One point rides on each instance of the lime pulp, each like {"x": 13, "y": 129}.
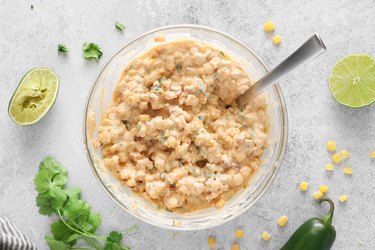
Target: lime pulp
{"x": 34, "y": 96}
{"x": 352, "y": 81}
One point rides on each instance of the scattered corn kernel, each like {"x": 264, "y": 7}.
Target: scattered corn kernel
{"x": 276, "y": 39}
{"x": 331, "y": 145}
{"x": 343, "y": 198}
{"x": 318, "y": 195}
{"x": 348, "y": 171}
{"x": 266, "y": 236}
{"x": 372, "y": 155}
{"x": 269, "y": 26}
{"x": 304, "y": 186}
{"x": 336, "y": 158}
{"x": 235, "y": 246}
{"x": 360, "y": 242}
{"x": 323, "y": 189}
{"x": 211, "y": 242}
{"x": 282, "y": 221}
{"x": 329, "y": 167}
{"x": 239, "y": 233}
{"x": 344, "y": 154}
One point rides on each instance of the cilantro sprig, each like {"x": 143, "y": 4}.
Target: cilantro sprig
{"x": 92, "y": 51}
{"x": 76, "y": 220}
{"x": 120, "y": 26}
{"x": 62, "y": 48}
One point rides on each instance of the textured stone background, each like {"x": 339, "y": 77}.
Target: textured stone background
{"x": 28, "y": 38}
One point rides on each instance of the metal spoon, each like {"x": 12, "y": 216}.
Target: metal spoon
{"x": 309, "y": 50}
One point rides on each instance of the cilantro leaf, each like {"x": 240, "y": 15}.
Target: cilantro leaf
{"x": 50, "y": 175}
{"x": 73, "y": 193}
{"x": 55, "y": 244}
{"x": 62, "y": 48}
{"x": 120, "y": 26}
{"x": 93, "y": 221}
{"x": 44, "y": 202}
{"x": 112, "y": 246}
{"x": 89, "y": 223}
{"x": 72, "y": 240}
{"x": 77, "y": 211}
{"x": 51, "y": 201}
{"x": 58, "y": 198}
{"x": 62, "y": 233}
{"x": 91, "y": 51}
{"x": 114, "y": 237}
{"x": 113, "y": 241}
{"x": 161, "y": 79}
{"x": 156, "y": 89}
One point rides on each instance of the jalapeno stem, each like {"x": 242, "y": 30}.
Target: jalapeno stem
{"x": 329, "y": 216}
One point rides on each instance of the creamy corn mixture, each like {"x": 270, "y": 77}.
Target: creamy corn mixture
{"x": 174, "y": 135}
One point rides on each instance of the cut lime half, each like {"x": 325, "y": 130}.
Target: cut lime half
{"x": 352, "y": 81}
{"x": 34, "y": 96}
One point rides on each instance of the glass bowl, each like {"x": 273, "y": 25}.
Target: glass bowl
{"x": 99, "y": 99}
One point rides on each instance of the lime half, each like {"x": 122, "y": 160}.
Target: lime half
{"x": 34, "y": 96}
{"x": 352, "y": 81}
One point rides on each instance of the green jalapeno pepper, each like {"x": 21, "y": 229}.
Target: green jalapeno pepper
{"x": 314, "y": 234}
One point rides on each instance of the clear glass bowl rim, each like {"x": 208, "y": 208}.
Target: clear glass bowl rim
{"x": 283, "y": 118}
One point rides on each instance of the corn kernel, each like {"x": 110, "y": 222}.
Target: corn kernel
{"x": 348, "y": 171}
{"x": 159, "y": 38}
{"x": 304, "y": 186}
{"x": 343, "y": 198}
{"x": 331, "y": 145}
{"x": 240, "y": 157}
{"x": 344, "y": 154}
{"x": 282, "y": 221}
{"x": 329, "y": 167}
{"x": 323, "y": 189}
{"x": 176, "y": 223}
{"x": 144, "y": 118}
{"x": 372, "y": 155}
{"x": 211, "y": 242}
{"x": 266, "y": 236}
{"x": 336, "y": 158}
{"x": 239, "y": 233}
{"x": 269, "y": 26}
{"x": 235, "y": 246}
{"x": 318, "y": 195}
{"x": 360, "y": 242}
{"x": 276, "y": 39}
{"x": 220, "y": 203}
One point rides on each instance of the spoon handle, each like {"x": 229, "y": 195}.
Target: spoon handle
{"x": 313, "y": 47}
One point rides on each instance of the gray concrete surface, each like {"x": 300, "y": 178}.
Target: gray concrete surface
{"x": 28, "y": 38}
